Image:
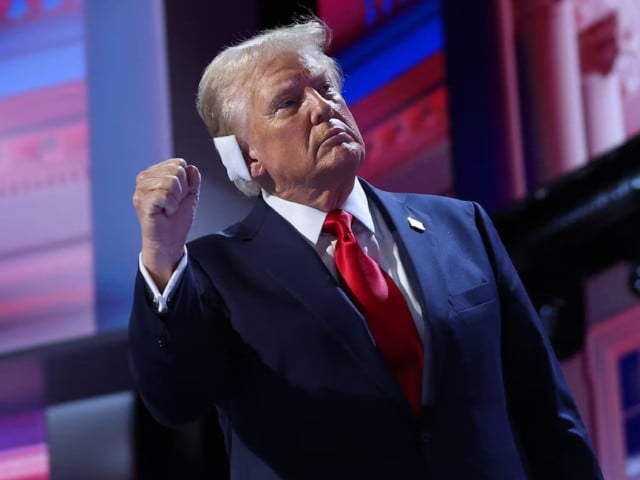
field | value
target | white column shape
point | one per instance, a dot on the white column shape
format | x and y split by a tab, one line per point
549	48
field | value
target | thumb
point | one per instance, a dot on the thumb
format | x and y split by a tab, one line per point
193	179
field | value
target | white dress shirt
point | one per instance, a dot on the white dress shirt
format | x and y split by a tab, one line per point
370	230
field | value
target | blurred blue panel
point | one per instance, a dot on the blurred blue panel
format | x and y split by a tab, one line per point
388	34
17	9
41	69
41	35
22	429
632	435
51	4
629	368
129	131
105	450
391	50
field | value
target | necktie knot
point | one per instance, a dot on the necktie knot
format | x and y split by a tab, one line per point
338	223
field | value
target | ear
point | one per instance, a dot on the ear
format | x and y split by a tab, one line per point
251	159
256	169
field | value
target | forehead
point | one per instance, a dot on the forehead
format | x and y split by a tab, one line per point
284	68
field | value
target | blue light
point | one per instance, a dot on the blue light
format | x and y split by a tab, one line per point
42	69
17	9
392	50
51	4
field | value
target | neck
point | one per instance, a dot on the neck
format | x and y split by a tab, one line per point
320	199
330	200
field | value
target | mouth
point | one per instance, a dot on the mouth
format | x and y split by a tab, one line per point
335	136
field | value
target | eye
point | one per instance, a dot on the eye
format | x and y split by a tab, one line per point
327	89
287	103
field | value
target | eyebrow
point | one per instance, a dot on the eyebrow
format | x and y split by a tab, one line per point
281	91
287	86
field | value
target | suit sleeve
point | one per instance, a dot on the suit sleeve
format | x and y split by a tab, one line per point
180	359
549	428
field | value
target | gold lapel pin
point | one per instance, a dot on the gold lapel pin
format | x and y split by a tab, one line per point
417	225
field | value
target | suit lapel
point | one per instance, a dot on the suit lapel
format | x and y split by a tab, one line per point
419	250
294	263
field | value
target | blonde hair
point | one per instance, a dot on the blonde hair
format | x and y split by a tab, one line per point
222	100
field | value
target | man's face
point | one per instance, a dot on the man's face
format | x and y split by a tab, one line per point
302	138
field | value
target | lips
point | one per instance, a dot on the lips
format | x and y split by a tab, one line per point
333	139
335	132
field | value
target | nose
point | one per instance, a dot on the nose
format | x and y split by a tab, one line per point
321	108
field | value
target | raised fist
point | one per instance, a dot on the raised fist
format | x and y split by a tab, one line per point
165	199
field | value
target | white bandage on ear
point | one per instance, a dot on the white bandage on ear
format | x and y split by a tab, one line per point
232	158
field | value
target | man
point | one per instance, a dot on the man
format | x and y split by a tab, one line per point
428	363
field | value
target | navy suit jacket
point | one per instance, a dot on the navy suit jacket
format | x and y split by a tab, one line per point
259	329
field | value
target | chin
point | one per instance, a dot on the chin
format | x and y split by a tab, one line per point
350	153
344	160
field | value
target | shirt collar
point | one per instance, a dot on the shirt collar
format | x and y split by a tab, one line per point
308	220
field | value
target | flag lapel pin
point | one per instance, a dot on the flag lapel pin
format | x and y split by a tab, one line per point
417	225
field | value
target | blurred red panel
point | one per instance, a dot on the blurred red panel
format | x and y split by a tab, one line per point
40	106
351	19
406	135
44	157
47	294
43	303
406	88
346	18
25	463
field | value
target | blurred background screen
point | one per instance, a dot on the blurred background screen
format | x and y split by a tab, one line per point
46	248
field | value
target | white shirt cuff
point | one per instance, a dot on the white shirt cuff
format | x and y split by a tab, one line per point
161	299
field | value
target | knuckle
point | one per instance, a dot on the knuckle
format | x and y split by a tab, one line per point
178	171
174	183
177	161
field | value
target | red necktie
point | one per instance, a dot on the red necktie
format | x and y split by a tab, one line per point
382	304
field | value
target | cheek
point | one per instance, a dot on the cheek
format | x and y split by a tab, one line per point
348	117
354	126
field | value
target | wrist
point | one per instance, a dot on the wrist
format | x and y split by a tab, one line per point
161	262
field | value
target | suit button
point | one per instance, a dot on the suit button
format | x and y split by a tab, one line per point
425	437
162	344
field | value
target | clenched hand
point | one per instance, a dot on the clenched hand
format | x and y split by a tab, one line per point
165	199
